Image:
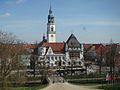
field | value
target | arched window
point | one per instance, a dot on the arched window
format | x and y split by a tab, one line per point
79	63
68	63
63	63
51	28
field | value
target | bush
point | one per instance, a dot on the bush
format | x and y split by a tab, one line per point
28	87
86	81
81	76
45	81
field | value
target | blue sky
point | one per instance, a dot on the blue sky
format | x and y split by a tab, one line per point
92	21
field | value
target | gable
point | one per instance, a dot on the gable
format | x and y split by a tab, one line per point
73	42
49	51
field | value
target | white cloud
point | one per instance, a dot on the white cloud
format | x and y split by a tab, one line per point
15	2
78	22
7	14
19	1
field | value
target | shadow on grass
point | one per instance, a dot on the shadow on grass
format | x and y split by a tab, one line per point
28	87
110	87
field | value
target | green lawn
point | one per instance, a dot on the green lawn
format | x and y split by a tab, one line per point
28	88
101	86
110	87
86	84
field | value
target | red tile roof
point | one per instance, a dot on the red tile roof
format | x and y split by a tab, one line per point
86	46
56	47
101	50
31	46
96	46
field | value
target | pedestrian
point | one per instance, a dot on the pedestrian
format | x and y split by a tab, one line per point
63	81
108	78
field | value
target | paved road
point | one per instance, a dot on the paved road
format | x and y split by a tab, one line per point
67	86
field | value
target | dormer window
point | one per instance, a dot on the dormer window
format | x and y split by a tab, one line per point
50	52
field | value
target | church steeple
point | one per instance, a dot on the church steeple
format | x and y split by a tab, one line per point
44	37
51	33
50	16
50	10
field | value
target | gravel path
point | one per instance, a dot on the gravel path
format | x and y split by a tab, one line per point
67	86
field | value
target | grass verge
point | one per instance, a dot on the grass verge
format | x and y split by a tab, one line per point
110	87
86	84
28	87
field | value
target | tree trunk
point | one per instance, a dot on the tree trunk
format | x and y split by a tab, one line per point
4	83
100	68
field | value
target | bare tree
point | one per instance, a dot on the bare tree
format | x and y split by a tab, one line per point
110	56
10	51
33	62
39	67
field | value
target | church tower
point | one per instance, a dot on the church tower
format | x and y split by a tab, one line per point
51	33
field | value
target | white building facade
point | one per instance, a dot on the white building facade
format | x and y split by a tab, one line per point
59	53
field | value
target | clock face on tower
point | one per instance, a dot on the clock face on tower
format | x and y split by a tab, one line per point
51	35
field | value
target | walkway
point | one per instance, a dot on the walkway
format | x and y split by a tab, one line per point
67	86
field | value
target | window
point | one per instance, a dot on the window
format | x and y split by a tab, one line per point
52	58
59	58
74	62
56	58
63	58
79	63
68	63
56	63
59	63
48	58
74	55
51	28
51	64
63	63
